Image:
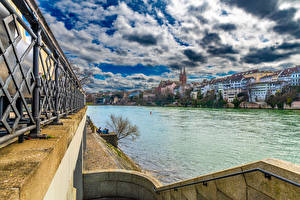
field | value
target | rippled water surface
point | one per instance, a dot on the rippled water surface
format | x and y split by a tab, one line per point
180	143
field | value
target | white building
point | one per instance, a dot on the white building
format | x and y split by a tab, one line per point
259	91
295	77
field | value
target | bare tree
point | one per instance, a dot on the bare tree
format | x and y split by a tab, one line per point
122	127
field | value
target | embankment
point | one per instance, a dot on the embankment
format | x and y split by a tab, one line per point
101	155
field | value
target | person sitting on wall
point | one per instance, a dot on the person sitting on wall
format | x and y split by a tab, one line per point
105	131
99	130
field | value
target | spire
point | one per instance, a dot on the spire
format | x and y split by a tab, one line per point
183	70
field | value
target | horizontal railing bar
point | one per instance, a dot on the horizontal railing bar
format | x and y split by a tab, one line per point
16	134
20	20
5	138
229	175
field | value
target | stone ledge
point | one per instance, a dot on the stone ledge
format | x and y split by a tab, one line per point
26	169
119	183
247	186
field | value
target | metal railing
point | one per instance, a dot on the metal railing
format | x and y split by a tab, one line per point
267	174
37	83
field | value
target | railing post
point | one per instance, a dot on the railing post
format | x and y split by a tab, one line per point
36	92
19	106
57	90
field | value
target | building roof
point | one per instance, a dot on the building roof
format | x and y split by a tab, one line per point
289	71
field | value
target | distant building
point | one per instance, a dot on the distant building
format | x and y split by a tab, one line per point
295	78
291	75
168	89
148	96
182	77
259	91
230	94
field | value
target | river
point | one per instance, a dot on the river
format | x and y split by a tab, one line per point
180	143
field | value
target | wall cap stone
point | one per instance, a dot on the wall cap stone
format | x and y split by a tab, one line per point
27	169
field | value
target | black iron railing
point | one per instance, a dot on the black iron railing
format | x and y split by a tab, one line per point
267	174
37	83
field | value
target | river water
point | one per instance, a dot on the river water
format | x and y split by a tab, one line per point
181	143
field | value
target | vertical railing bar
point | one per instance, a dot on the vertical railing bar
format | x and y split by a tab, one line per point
36	92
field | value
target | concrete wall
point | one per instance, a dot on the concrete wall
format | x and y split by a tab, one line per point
250	186
61	186
119	183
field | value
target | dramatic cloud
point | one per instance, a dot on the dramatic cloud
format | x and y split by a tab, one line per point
257	56
226	49
285	18
226	27
126	44
146	40
193	56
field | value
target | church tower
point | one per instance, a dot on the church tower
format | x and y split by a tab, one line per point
182	76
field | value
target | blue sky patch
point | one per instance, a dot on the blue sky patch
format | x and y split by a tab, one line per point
126	70
226	74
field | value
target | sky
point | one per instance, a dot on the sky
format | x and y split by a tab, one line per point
134	44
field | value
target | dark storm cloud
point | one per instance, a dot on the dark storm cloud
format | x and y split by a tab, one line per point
194	56
138	78
189	63
143	39
175	66
225	49
210	38
261	8
268	54
226	27
283	15
285	23
289	46
292	28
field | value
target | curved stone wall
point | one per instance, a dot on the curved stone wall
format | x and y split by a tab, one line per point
251	186
119	183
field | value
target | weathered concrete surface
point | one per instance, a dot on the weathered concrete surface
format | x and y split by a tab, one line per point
27	169
250	186
119	183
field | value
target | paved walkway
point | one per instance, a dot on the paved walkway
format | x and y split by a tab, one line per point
97	156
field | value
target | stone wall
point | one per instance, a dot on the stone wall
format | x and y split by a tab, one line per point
110	138
119	183
43	169
250	186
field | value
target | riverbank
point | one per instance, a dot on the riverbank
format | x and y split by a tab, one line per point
244	105
101	155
